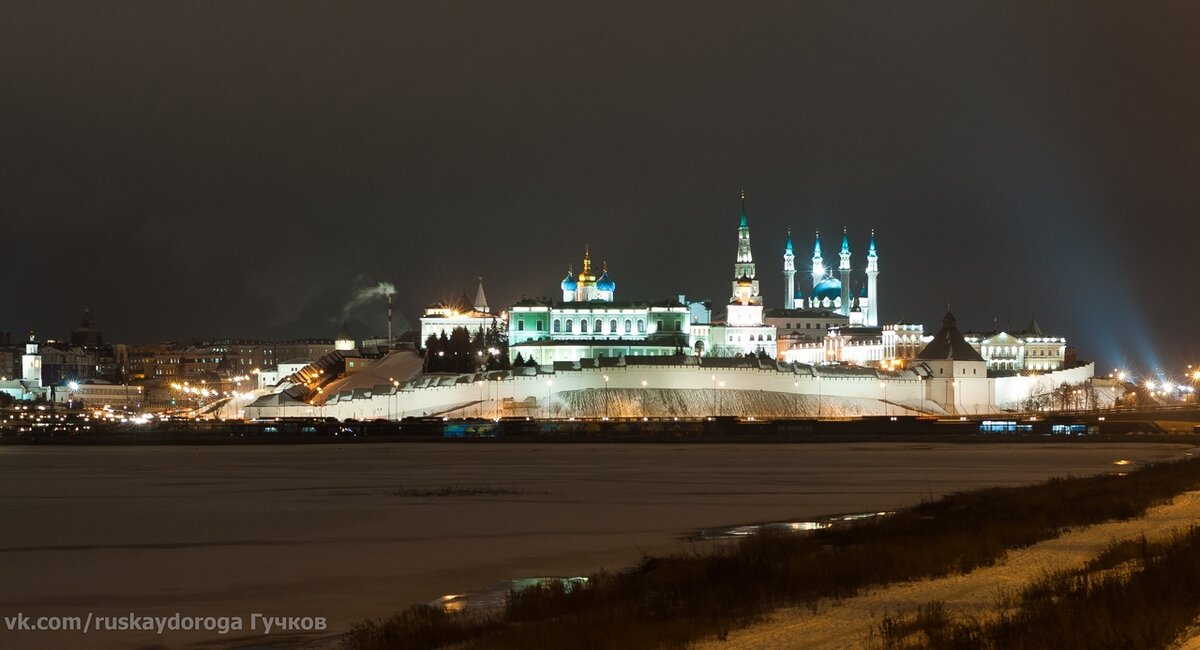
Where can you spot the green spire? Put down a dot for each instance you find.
(743, 224)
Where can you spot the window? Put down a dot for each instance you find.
(570, 325)
(520, 326)
(678, 326)
(539, 325)
(660, 325)
(628, 326)
(557, 325)
(612, 326)
(583, 326)
(599, 326)
(641, 326)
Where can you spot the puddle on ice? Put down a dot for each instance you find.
(734, 532)
(495, 596)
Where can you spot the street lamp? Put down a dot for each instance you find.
(722, 396)
(605, 397)
(549, 383)
(818, 380)
(643, 401)
(796, 385)
(883, 385)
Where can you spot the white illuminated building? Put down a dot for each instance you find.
(958, 378)
(29, 385)
(442, 318)
(1028, 349)
(590, 323)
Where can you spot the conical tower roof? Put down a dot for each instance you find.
(948, 344)
(481, 303)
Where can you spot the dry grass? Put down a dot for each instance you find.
(1136, 594)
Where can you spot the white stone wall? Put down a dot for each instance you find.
(694, 391)
(1011, 392)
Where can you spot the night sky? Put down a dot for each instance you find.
(241, 169)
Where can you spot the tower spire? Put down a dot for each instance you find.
(818, 263)
(847, 296)
(789, 274)
(743, 268)
(872, 315)
(743, 223)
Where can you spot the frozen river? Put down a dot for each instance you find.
(349, 532)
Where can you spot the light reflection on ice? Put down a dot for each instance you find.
(495, 596)
(735, 532)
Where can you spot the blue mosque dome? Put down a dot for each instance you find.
(605, 283)
(569, 283)
(828, 288)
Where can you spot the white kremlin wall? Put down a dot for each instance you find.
(685, 391)
(1011, 392)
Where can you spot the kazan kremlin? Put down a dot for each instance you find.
(823, 353)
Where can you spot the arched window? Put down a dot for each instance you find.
(599, 326)
(628, 326)
(641, 326)
(612, 326)
(583, 326)
(570, 326)
(557, 325)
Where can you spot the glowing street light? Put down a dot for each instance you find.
(605, 397)
(549, 383)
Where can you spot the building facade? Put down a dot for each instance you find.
(590, 323)
(1027, 350)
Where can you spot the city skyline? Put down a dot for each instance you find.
(195, 173)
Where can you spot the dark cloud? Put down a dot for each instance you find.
(196, 169)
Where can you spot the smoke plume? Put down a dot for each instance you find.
(366, 294)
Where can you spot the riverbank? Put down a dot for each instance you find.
(855, 621)
(678, 599)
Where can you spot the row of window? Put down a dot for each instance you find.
(597, 326)
(750, 338)
(1011, 350)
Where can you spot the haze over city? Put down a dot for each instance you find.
(198, 170)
